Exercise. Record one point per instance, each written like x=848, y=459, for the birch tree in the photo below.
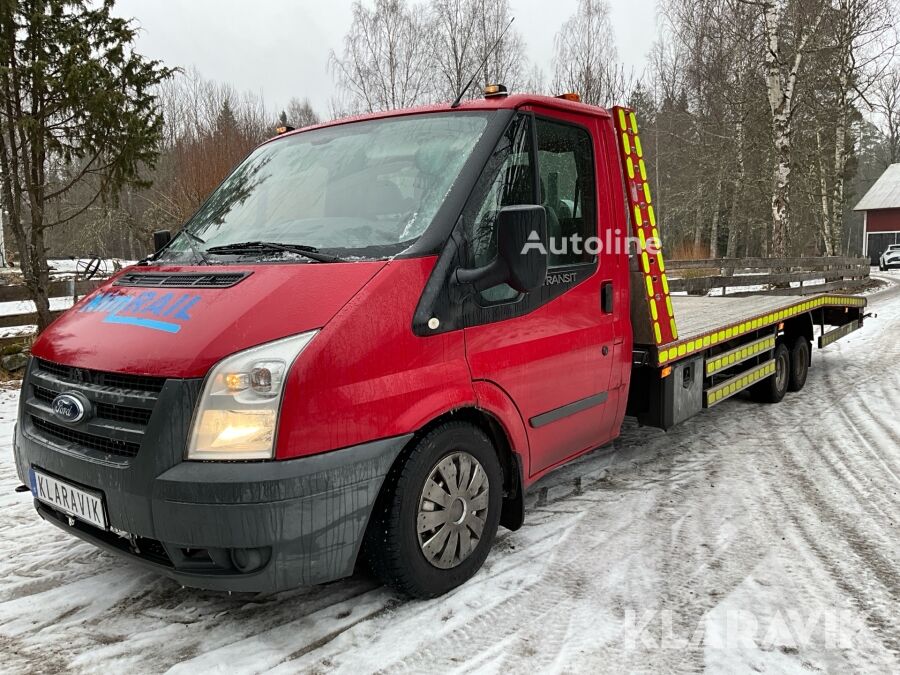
x=586, y=60
x=859, y=35
x=503, y=54
x=783, y=61
x=387, y=57
x=454, y=23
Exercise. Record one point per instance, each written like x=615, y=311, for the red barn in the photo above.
x=881, y=214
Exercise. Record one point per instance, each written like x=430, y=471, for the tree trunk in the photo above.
x=780, y=91
x=34, y=272
x=840, y=167
x=714, y=226
x=698, y=221
x=737, y=205
x=825, y=221
x=781, y=129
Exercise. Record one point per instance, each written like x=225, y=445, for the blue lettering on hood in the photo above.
x=158, y=311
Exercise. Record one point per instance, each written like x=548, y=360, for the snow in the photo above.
x=750, y=538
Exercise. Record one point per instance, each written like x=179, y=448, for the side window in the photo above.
x=566, y=162
x=507, y=180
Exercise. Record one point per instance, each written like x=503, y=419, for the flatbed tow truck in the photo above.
x=368, y=344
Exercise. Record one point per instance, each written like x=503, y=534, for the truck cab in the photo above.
x=364, y=346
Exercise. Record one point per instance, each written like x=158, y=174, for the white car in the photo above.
x=890, y=259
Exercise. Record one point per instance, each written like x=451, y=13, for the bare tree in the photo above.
x=387, y=56
x=886, y=103
x=299, y=113
x=456, y=41
x=585, y=60
x=535, y=80
x=503, y=54
x=783, y=61
x=861, y=39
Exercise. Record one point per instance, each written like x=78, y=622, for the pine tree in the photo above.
x=78, y=119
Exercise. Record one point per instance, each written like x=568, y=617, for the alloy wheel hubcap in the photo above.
x=452, y=510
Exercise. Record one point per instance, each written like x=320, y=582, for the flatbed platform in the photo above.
x=706, y=321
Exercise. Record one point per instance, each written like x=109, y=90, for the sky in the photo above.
x=279, y=48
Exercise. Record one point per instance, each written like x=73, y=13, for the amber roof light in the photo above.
x=494, y=90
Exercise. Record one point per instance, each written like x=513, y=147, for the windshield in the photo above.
x=362, y=190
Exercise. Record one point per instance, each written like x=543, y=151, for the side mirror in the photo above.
x=161, y=238
x=521, y=258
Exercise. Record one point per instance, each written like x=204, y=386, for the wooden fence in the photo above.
x=692, y=276
x=17, y=293
x=777, y=276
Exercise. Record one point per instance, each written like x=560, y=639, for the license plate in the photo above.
x=71, y=500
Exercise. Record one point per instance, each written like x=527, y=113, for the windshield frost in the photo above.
x=365, y=190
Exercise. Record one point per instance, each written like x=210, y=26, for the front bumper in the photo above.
x=303, y=519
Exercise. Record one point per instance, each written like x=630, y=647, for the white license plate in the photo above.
x=71, y=500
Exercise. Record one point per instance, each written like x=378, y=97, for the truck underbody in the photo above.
x=726, y=345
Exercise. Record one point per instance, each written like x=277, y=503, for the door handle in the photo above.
x=606, y=297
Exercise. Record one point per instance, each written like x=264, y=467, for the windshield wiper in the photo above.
x=270, y=246
x=193, y=240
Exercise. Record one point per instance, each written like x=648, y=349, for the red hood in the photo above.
x=182, y=332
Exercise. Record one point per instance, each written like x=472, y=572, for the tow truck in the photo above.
x=374, y=337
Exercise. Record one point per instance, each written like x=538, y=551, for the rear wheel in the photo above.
x=438, y=513
x=799, y=364
x=774, y=387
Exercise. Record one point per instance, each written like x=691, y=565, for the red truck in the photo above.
x=370, y=341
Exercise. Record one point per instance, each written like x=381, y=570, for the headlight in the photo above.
x=237, y=416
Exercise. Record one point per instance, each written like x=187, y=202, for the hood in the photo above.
x=149, y=321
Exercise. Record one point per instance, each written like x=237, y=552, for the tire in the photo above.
x=774, y=387
x=800, y=352
x=422, y=565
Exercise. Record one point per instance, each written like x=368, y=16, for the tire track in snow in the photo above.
x=658, y=522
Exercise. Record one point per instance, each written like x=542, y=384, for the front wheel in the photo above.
x=436, y=518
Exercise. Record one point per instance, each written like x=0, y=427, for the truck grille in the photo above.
x=122, y=406
x=101, y=443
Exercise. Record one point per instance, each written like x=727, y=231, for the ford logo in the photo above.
x=70, y=408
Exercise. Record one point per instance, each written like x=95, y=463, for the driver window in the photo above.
x=508, y=180
x=567, y=190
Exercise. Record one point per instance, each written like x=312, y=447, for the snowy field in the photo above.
x=752, y=538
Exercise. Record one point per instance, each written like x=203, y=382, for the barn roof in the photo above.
x=884, y=194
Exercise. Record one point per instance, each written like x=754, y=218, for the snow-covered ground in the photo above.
x=751, y=538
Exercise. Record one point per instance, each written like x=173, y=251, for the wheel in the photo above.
x=773, y=388
x=436, y=518
x=799, y=364
x=881, y=267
